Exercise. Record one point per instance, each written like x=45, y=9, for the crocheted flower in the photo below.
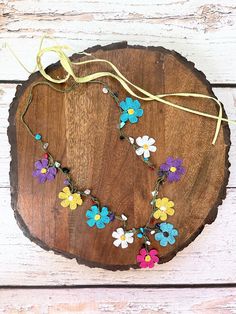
x=147, y=259
x=146, y=146
x=173, y=168
x=131, y=110
x=164, y=208
x=43, y=171
x=70, y=199
x=167, y=234
x=122, y=238
x=97, y=217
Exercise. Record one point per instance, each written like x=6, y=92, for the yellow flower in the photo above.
x=69, y=199
x=164, y=208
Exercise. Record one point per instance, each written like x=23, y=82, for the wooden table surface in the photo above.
x=202, y=278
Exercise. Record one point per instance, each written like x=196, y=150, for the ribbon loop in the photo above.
x=64, y=60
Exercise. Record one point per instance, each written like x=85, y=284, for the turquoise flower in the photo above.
x=167, y=234
x=131, y=110
x=97, y=217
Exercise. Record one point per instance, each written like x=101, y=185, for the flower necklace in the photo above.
x=99, y=216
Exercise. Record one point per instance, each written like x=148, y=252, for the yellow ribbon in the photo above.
x=67, y=65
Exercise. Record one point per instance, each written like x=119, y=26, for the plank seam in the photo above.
x=125, y=286
x=213, y=85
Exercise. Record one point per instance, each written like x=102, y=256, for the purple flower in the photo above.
x=173, y=168
x=43, y=171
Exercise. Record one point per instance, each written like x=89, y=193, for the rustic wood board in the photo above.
x=35, y=206
x=120, y=301
x=200, y=30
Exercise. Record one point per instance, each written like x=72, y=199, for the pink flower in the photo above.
x=147, y=259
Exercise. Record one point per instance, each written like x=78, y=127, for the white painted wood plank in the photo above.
x=202, y=30
x=119, y=301
x=209, y=259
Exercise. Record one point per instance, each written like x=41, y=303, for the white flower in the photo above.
x=122, y=238
x=146, y=146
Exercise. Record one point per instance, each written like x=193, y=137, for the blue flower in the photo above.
x=97, y=217
x=131, y=110
x=166, y=234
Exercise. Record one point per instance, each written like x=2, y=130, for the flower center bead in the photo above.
x=173, y=169
x=166, y=234
x=70, y=198
x=163, y=208
x=97, y=217
x=122, y=237
x=145, y=146
x=43, y=170
x=130, y=111
x=147, y=258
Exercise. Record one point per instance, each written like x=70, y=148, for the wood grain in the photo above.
x=88, y=152
x=200, y=30
x=120, y=301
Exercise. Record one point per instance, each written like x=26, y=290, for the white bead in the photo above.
x=131, y=140
x=148, y=242
x=57, y=164
x=152, y=232
x=105, y=90
x=124, y=217
x=87, y=192
x=45, y=145
x=154, y=193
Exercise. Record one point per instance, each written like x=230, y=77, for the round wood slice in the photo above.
x=81, y=129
